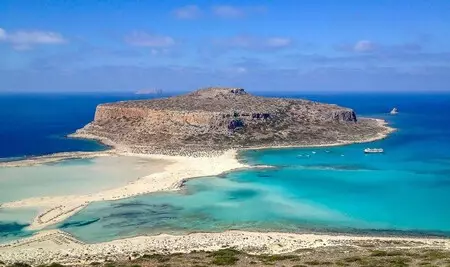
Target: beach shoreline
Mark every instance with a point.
(55, 209)
(57, 246)
(180, 168)
(42, 247)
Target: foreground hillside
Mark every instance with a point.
(380, 255)
(224, 118)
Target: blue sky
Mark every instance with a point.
(282, 45)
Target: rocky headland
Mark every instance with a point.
(197, 134)
(218, 119)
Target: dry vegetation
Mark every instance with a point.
(216, 119)
(330, 256)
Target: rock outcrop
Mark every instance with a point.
(222, 118)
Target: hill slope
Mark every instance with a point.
(221, 118)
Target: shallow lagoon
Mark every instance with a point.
(404, 191)
(73, 177)
(340, 189)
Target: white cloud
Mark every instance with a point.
(256, 43)
(364, 46)
(239, 42)
(149, 40)
(27, 39)
(370, 47)
(2, 34)
(278, 42)
(187, 12)
(228, 11)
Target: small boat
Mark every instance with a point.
(394, 111)
(373, 150)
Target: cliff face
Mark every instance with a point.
(220, 118)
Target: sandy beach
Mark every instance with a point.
(57, 246)
(178, 169)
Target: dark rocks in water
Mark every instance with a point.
(11, 227)
(78, 223)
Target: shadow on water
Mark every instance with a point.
(13, 230)
(11, 227)
(79, 223)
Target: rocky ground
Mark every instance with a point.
(366, 254)
(217, 119)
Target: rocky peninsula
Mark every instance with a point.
(217, 119)
(197, 134)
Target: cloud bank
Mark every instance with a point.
(23, 40)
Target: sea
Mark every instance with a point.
(404, 191)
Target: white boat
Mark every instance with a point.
(373, 150)
(394, 111)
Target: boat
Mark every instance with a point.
(373, 150)
(394, 111)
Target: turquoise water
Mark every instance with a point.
(69, 177)
(72, 177)
(339, 189)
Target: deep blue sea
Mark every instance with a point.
(36, 124)
(406, 190)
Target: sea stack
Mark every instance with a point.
(216, 119)
(394, 111)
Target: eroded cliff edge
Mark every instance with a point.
(223, 118)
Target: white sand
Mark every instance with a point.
(58, 208)
(57, 246)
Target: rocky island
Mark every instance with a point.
(217, 119)
(193, 135)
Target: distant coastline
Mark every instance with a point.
(149, 92)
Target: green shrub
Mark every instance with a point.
(20, 264)
(224, 256)
(225, 260)
(382, 253)
(224, 252)
(353, 259)
(273, 258)
(319, 263)
(157, 257)
(435, 255)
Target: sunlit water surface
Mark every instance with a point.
(340, 189)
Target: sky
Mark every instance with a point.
(178, 45)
